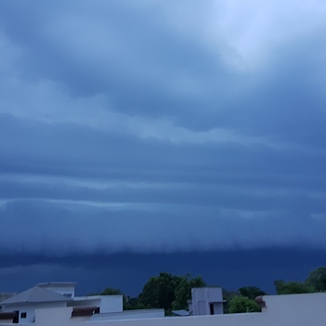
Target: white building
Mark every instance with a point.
(206, 301)
(62, 295)
(277, 310)
(45, 307)
(24, 304)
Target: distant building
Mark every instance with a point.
(206, 301)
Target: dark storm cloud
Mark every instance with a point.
(86, 48)
(138, 189)
(89, 51)
(62, 227)
(129, 272)
(68, 144)
(125, 119)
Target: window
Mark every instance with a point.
(23, 314)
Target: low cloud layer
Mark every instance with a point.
(155, 127)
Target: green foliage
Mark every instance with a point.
(317, 279)
(183, 290)
(251, 292)
(169, 292)
(132, 304)
(108, 291)
(159, 291)
(292, 287)
(228, 296)
(239, 304)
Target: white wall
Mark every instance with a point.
(111, 303)
(130, 314)
(30, 309)
(54, 317)
(106, 303)
(282, 310)
(44, 319)
(296, 309)
(84, 301)
(202, 298)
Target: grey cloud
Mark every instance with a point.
(270, 96)
(66, 64)
(137, 83)
(57, 231)
(76, 149)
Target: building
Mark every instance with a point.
(206, 301)
(62, 295)
(277, 310)
(24, 304)
(53, 304)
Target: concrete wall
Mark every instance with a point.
(130, 314)
(296, 309)
(30, 309)
(106, 303)
(22, 309)
(218, 308)
(282, 310)
(55, 317)
(111, 303)
(203, 298)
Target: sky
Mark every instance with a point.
(139, 132)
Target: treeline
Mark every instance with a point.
(166, 291)
(171, 292)
(315, 282)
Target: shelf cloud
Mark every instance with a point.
(162, 127)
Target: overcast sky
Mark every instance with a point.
(162, 126)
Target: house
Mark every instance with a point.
(54, 304)
(277, 310)
(21, 307)
(24, 304)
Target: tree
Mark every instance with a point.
(239, 304)
(251, 292)
(228, 296)
(317, 279)
(132, 303)
(183, 290)
(292, 287)
(108, 291)
(159, 291)
(169, 291)
(113, 291)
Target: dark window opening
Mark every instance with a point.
(68, 295)
(211, 308)
(15, 320)
(23, 314)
